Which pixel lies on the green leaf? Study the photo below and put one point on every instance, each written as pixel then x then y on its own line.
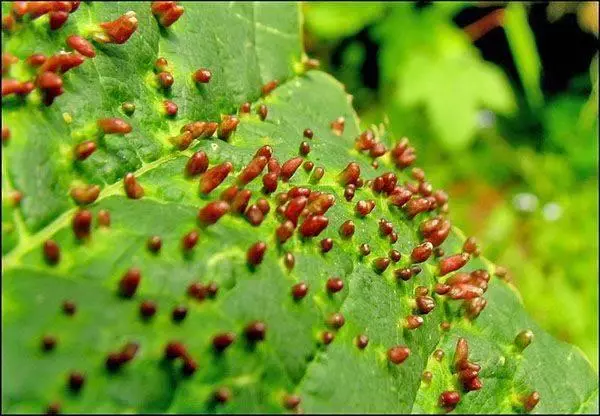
pixel 334 20
pixel 245 46
pixel 522 45
pixel 439 71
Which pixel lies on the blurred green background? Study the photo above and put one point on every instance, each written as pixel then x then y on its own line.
pixel 501 102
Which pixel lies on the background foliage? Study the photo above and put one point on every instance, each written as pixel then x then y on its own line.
pixel 501 100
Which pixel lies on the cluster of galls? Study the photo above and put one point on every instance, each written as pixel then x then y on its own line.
pixel 49 70
pixel 299 209
pixel 57 11
pixel 467 373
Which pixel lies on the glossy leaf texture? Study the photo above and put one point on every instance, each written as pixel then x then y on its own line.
pixel 287 364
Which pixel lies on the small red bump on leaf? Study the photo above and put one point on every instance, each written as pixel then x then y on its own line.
pixel 240 201
pixel 449 399
pixel 51 252
pixel 81 223
pixel 416 206
pixel 222 341
pixel 120 30
pixel 167 12
pixel 175 350
pixel 397 355
pixel 252 170
pixel 350 174
pixel 61 62
pixel 84 150
pixel 214 177
pixel 326 245
pixel 363 208
pixel 103 218
pixel 84 195
pixel 413 321
pixel 262 112
pixel 147 309
pixel 337 126
pixel 179 313
pixel 453 263
pixel 284 231
pixel 227 126
pixel 365 141
pixel 473 384
pixel 202 75
pixel 132 188
pixel 440 197
pixel 170 108
pixel 334 284
pixel 347 229
pixel 197 291
pixel 313 225
pixel 294 208
pixel 395 256
pixel 81 45
pixel 255 331
pixel 425 304
pixel 76 381
pixel 256 252
pixel 362 341
pixel 212 212
pixel 327 338
pixel 473 307
pixel 189 240
pixel 311 63
pixel 8 23
pixel 400 196
pixel 336 320
pixel 165 79
pixel 263 205
pixel 245 108
pixel 377 150
pixel 441 289
pixel 289 260
pixel 189 366
pixel 222 395
pixel 530 401
pixel 130 282
pixel 58 19
pixel 317 175
pixel 265 151
pixel 114 126
pixel 269 86
pixel 197 164
pixel 404 274
pixel 289 168
pixel 304 148
pixel 48 342
pixel 5 135
pixel 470 245
pixel 299 290
pixel 421 252
pixel 69 307
pixel 291 401
pixel 254 215
pixel 270 182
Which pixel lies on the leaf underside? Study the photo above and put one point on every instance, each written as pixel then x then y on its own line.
pixel 245 45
